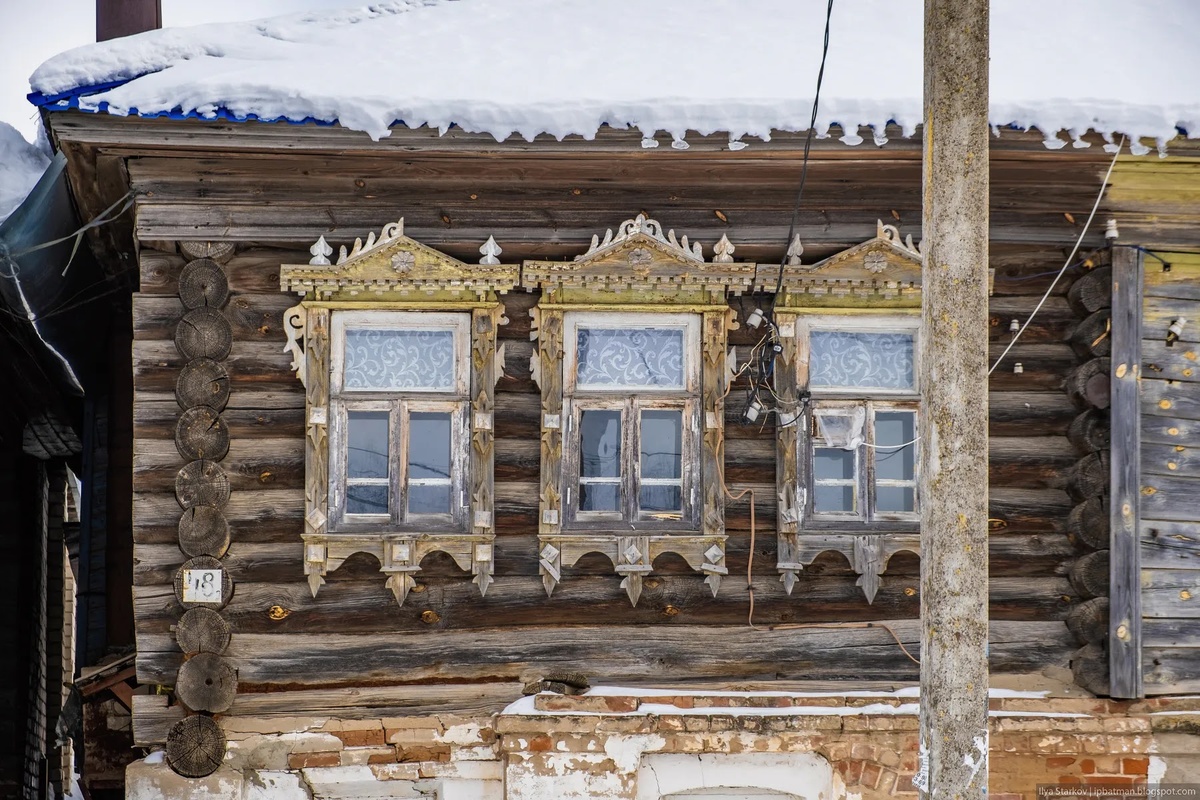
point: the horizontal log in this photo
(253, 317)
(153, 718)
(158, 420)
(301, 660)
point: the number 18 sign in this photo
(202, 586)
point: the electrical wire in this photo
(1067, 264)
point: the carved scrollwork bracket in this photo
(868, 554)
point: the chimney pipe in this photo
(117, 18)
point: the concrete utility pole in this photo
(954, 383)
(117, 18)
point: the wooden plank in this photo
(153, 718)
(1182, 281)
(314, 660)
(1173, 632)
(1174, 497)
(1174, 399)
(1168, 544)
(1171, 670)
(1169, 460)
(1180, 362)
(1125, 611)
(1159, 312)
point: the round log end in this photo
(203, 531)
(204, 333)
(203, 284)
(1089, 574)
(206, 682)
(219, 252)
(203, 382)
(195, 747)
(201, 483)
(1089, 666)
(202, 630)
(1088, 523)
(1088, 621)
(201, 434)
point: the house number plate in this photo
(202, 586)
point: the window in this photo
(631, 410)
(860, 463)
(399, 400)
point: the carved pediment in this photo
(640, 256)
(395, 263)
(883, 269)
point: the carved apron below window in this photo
(396, 346)
(631, 362)
(846, 465)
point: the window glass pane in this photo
(367, 444)
(428, 445)
(599, 497)
(861, 360)
(600, 444)
(828, 499)
(425, 499)
(895, 498)
(369, 498)
(894, 428)
(630, 357)
(384, 359)
(833, 464)
(661, 498)
(662, 444)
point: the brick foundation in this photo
(597, 746)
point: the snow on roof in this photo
(744, 67)
(21, 165)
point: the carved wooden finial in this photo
(490, 250)
(320, 253)
(794, 251)
(723, 251)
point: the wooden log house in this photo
(295, 559)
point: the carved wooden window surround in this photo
(638, 273)
(849, 329)
(398, 286)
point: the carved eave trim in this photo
(393, 264)
(632, 556)
(882, 268)
(868, 554)
(399, 556)
(639, 257)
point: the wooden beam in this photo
(953, 379)
(1125, 611)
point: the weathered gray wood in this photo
(1092, 337)
(201, 483)
(1170, 496)
(1088, 385)
(1168, 544)
(1088, 621)
(195, 746)
(1091, 291)
(220, 252)
(1169, 430)
(204, 333)
(1158, 312)
(200, 433)
(1170, 593)
(1172, 399)
(1090, 574)
(1125, 640)
(203, 382)
(1089, 431)
(1165, 459)
(203, 531)
(153, 718)
(202, 630)
(1180, 362)
(1088, 523)
(1089, 477)
(202, 284)
(1089, 665)
(1171, 670)
(206, 682)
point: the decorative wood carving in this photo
(787, 443)
(202, 630)
(396, 270)
(202, 284)
(203, 531)
(203, 382)
(639, 266)
(394, 265)
(195, 746)
(882, 271)
(868, 554)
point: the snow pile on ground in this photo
(21, 164)
(564, 67)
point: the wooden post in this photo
(1125, 608)
(117, 18)
(954, 383)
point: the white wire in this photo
(1070, 259)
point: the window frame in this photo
(399, 404)
(873, 400)
(632, 401)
